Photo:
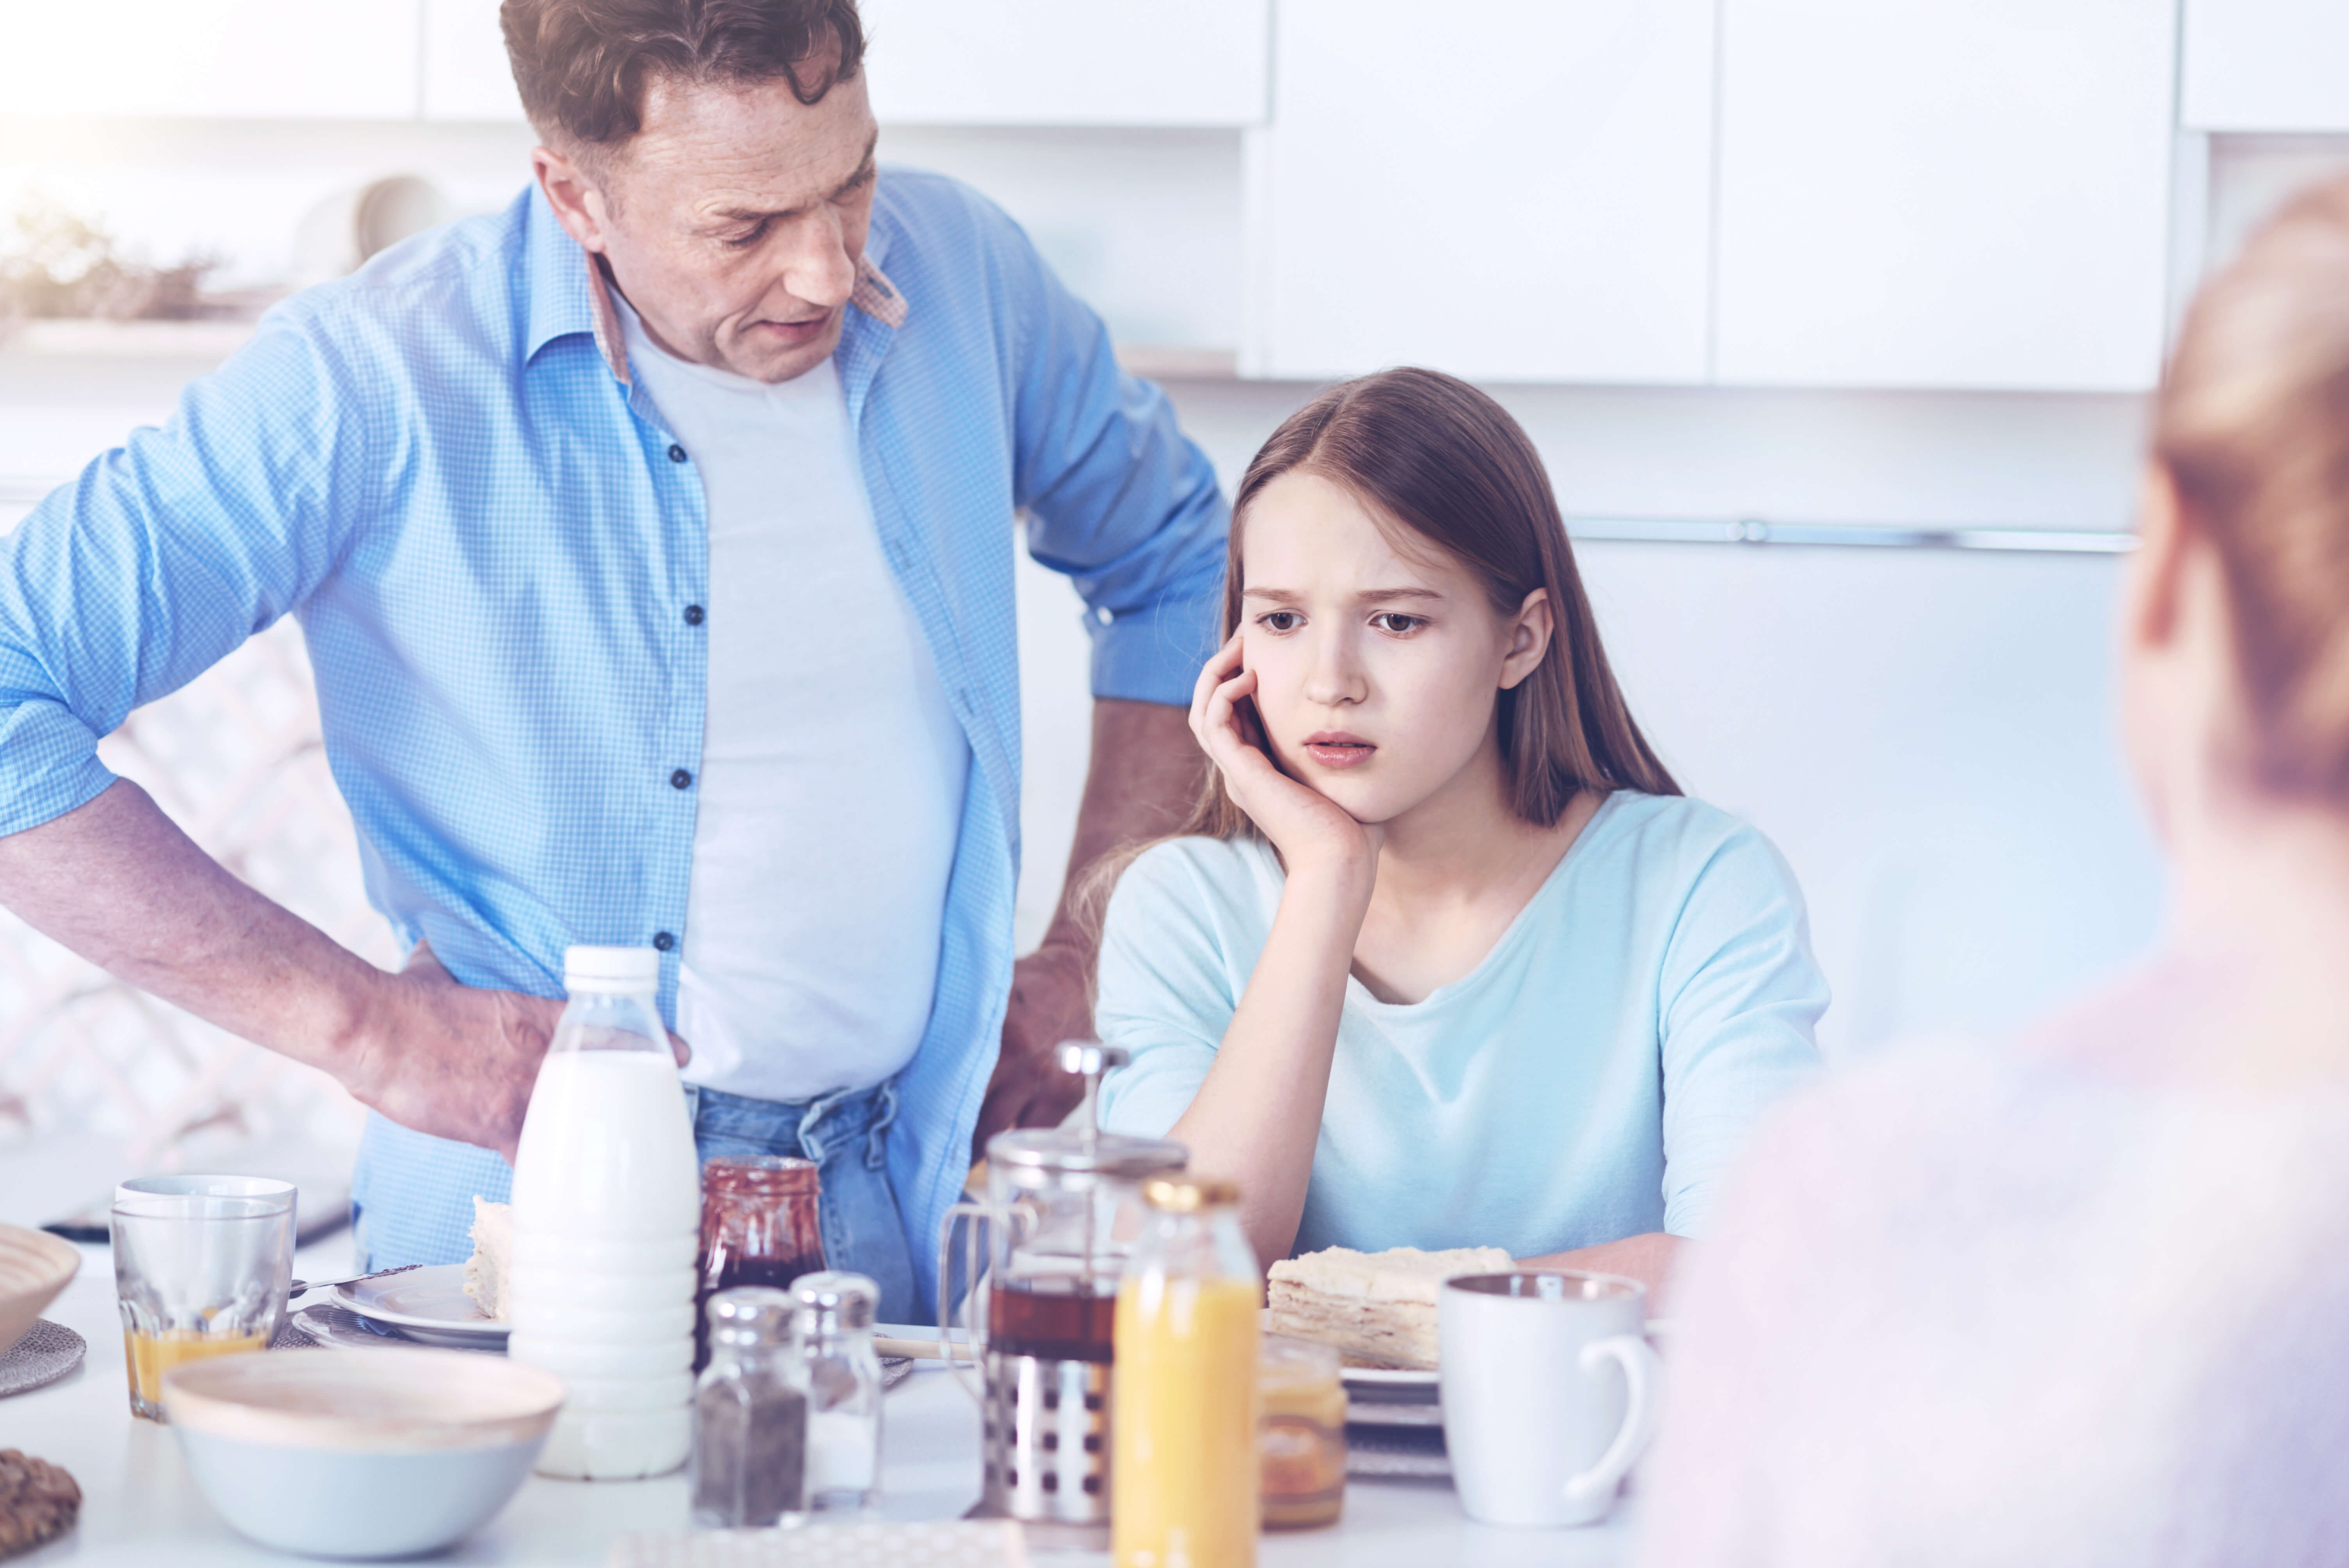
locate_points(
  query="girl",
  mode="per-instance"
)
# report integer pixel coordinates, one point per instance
(1447, 958)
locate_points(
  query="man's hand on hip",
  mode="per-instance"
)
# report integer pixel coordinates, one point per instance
(116, 881)
(455, 1061)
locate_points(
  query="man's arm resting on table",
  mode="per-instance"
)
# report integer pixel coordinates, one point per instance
(1143, 780)
(116, 881)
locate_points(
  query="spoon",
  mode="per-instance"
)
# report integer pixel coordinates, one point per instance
(300, 1285)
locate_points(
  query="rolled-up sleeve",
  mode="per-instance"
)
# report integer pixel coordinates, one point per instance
(1116, 496)
(1742, 999)
(164, 555)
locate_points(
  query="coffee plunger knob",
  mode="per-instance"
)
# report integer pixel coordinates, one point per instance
(1089, 1060)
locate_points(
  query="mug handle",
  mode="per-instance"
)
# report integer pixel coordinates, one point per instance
(1644, 1371)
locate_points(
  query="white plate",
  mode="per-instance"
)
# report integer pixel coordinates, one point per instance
(426, 1304)
(1388, 1377)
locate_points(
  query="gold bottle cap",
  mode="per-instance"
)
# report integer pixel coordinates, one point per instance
(1189, 1194)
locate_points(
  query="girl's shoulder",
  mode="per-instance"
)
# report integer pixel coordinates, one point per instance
(1201, 881)
(1678, 840)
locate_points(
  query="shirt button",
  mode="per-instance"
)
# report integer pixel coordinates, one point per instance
(664, 940)
(675, 453)
(680, 779)
(693, 615)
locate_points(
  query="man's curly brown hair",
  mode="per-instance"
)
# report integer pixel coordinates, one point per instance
(583, 65)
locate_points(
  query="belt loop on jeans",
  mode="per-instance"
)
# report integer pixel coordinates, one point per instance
(876, 1137)
(811, 1120)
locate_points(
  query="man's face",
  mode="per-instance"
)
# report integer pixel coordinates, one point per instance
(733, 221)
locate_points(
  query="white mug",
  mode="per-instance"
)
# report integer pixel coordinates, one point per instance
(1550, 1393)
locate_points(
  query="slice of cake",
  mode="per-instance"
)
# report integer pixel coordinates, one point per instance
(485, 1271)
(1378, 1307)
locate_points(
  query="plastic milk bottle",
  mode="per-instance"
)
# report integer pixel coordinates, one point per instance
(606, 1217)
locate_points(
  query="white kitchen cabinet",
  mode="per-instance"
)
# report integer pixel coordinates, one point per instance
(1947, 193)
(2267, 65)
(1068, 62)
(466, 76)
(1519, 192)
(310, 59)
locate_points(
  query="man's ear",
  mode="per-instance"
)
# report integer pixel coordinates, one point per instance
(577, 200)
(1529, 635)
(2150, 588)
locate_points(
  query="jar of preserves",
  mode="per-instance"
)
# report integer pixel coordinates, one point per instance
(1301, 1434)
(760, 1225)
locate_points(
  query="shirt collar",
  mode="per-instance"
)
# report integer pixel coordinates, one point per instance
(568, 292)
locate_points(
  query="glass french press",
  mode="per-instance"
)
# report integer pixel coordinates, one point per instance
(1062, 1209)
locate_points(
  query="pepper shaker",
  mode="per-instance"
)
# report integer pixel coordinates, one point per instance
(834, 1364)
(749, 1416)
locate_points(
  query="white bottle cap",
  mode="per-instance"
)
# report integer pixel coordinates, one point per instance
(610, 969)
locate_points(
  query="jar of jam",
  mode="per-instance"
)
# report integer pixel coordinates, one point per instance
(1301, 1433)
(760, 1225)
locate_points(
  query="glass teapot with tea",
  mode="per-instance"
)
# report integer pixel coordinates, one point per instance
(1062, 1210)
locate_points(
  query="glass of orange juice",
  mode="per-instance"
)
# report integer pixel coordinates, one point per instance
(201, 1268)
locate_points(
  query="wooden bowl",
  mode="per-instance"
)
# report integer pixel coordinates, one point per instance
(34, 1267)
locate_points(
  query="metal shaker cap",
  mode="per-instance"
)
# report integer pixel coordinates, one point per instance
(835, 1299)
(753, 1313)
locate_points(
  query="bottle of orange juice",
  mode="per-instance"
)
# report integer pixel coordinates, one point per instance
(1184, 1458)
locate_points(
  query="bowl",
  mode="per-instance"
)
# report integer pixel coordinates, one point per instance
(34, 1267)
(360, 1453)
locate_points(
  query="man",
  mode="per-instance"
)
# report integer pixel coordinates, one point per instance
(652, 542)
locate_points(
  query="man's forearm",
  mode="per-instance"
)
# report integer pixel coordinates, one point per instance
(1144, 778)
(118, 883)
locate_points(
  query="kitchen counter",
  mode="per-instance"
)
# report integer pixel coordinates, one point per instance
(140, 1507)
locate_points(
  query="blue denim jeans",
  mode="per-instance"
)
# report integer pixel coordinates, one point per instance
(846, 1134)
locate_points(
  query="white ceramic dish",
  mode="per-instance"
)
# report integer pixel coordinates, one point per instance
(428, 1306)
(34, 1267)
(367, 1453)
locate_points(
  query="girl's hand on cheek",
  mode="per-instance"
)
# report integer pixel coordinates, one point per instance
(1313, 832)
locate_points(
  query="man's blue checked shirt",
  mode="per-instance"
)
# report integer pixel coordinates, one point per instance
(442, 468)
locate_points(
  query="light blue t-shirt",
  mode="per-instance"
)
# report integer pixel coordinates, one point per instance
(1593, 1078)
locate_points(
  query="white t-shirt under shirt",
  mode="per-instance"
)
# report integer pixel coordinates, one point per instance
(833, 768)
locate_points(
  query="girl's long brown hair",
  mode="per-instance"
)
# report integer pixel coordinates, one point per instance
(1433, 455)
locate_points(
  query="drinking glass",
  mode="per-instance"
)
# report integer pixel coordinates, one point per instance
(201, 1268)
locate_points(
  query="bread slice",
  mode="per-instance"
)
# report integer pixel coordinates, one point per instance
(1376, 1307)
(486, 1270)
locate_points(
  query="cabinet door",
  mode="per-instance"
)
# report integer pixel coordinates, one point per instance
(311, 60)
(1955, 193)
(1068, 62)
(1519, 192)
(2267, 65)
(466, 76)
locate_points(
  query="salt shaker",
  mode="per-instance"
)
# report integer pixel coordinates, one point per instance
(750, 1416)
(835, 1365)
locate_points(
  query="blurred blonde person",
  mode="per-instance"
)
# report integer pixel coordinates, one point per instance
(2083, 1299)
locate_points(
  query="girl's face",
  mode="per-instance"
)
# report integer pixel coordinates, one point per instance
(1378, 670)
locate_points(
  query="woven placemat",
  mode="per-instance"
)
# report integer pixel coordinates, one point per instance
(48, 1353)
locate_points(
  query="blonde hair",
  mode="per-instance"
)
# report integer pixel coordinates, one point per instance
(2251, 426)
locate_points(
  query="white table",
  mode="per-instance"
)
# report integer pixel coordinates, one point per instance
(139, 1505)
